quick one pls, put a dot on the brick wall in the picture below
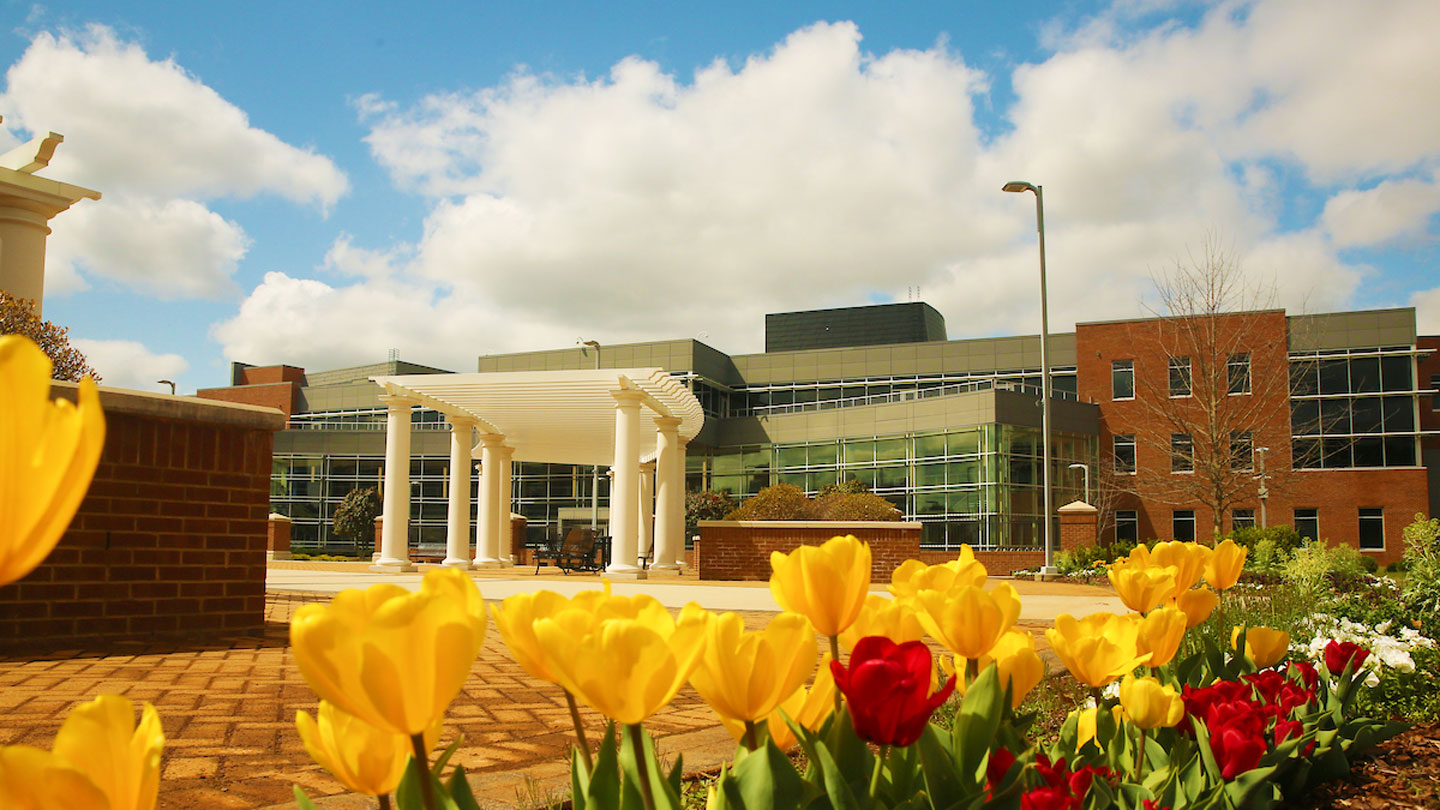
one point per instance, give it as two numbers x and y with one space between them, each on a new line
283 396
171 536
740 550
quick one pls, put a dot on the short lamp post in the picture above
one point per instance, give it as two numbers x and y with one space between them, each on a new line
170 383
1018 186
1264 491
595 468
1086 468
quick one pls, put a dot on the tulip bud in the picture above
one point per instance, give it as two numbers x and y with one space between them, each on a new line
1161 633
1226 563
892 618
101 758
1097 649
826 583
886 687
745 675
968 620
1263 646
1150 705
361 757
1142 589
1197 604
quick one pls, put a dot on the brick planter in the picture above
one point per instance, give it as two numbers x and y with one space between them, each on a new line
740 549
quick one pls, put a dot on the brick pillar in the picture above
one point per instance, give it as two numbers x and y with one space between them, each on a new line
277 538
1078 522
379 527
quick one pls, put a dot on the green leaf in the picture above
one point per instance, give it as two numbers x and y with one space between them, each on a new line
767 778
444 758
976 724
603 790
1252 789
942 781
666 797
579 779
302 801
837 789
459 789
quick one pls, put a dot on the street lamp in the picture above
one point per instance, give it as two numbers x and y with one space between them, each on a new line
1264 491
594 468
1016 186
169 383
1086 467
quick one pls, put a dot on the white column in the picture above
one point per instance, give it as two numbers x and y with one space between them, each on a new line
669 496
502 515
487 556
457 534
624 491
647 511
395 531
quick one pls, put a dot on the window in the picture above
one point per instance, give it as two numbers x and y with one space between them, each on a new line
1242 519
1238 371
1182 525
1122 379
1124 452
1127 526
1182 453
1372 528
1242 450
1307 523
1179 376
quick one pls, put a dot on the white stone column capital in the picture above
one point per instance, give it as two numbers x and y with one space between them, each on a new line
396 402
670 424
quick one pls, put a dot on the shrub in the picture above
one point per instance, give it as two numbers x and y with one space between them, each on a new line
1422 584
1315 567
707 505
850 486
854 506
1080 559
355 516
778 502
1284 539
1266 557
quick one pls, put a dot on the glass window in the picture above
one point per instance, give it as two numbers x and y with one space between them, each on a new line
891 476
1179 376
827 453
1122 379
964 472
1242 519
890 450
1182 452
790 456
1334 376
1303 378
1238 371
1242 450
930 446
1396 373
859 452
930 503
1305 416
1125 453
929 475
964 443
1365 375
1182 525
1307 523
1334 416
1365 414
1305 454
1435 397
1336 452
1372 528
1399 415
822 478
1399 451
1127 526
1369 452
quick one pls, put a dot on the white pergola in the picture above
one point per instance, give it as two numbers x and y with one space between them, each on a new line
561 417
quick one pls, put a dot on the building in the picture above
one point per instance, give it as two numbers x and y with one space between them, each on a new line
949 430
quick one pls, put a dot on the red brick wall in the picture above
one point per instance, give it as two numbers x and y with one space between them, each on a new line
740 550
283 396
261 375
171 536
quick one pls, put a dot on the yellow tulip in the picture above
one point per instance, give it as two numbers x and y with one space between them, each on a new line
807 707
745 675
826 583
1142 588
1197 605
101 759
913 576
1149 704
1263 645
515 619
627 667
1223 568
891 618
392 658
1016 663
361 757
1188 560
48 453
1087 724
1097 649
1161 632
968 620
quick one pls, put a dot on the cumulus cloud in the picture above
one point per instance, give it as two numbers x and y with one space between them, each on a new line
169 248
1374 216
128 364
642 204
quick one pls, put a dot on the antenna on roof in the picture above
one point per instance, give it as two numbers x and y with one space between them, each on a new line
394 355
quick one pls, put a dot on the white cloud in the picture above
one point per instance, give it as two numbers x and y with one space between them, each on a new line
136 125
1374 216
343 257
170 248
128 364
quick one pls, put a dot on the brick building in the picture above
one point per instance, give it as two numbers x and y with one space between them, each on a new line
1336 407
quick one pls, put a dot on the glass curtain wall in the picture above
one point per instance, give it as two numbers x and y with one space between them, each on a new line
1354 409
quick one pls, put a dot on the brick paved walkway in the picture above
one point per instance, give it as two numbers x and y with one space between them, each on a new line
228 709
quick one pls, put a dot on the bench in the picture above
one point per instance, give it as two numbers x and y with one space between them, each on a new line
575 553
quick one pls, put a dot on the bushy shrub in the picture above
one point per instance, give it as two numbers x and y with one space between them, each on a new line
1422 584
1369 564
355 516
1080 559
778 502
1283 539
854 506
1266 557
1315 567
850 486
707 505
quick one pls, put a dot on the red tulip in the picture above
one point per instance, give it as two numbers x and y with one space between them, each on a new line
1340 654
1306 672
887 687
1237 744
999 765
1049 797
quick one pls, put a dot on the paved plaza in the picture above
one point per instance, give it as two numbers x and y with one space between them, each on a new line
228 704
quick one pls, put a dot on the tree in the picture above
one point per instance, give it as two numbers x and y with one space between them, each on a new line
706 505
355 516
1224 392
17 317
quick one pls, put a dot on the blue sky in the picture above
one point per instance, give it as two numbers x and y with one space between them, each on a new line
317 183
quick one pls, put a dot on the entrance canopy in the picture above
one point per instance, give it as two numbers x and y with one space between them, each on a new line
559 417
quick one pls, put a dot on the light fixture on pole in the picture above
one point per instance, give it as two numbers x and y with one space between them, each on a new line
1018 186
169 383
1086 467
1264 491
594 468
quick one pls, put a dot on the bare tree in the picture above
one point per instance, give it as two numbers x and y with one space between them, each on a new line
1224 390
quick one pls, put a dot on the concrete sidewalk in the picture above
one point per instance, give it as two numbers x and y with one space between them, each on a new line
1040 601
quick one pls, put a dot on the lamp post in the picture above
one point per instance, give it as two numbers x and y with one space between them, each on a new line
1086 467
1017 186
594 468
1264 491
169 383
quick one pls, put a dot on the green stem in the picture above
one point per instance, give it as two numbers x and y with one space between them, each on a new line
384 801
422 758
751 740
580 739
835 656
637 739
1140 757
875 774
972 670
